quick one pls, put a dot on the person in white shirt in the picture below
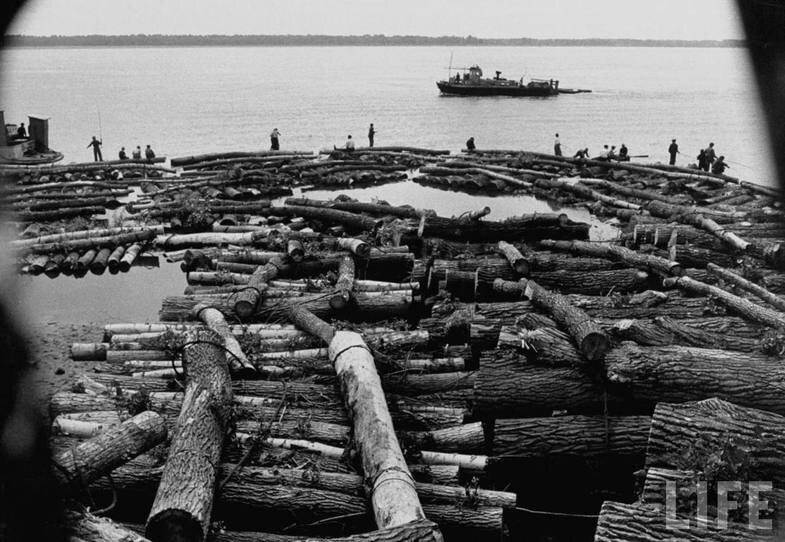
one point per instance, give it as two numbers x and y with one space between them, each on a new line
557 146
349 143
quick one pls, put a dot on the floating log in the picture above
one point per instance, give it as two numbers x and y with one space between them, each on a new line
616 252
740 282
588 336
360 207
585 192
58 214
188 160
184 501
98 456
239 365
664 331
503 390
739 305
99 263
754 436
113 262
332 216
650 374
392 497
83 263
571 436
343 285
131 253
640 522
522 228
205 239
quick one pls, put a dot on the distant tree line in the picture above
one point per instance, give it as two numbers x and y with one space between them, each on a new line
161 40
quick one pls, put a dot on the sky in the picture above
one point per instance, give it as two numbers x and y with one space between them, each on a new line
642 19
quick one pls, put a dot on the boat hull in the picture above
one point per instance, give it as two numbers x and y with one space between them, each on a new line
490 90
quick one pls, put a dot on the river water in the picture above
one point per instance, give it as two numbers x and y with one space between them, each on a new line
192 100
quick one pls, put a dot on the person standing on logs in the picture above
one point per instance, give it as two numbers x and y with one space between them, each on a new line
274 144
557 146
624 153
96 145
703 163
470 146
673 150
371 133
711 156
148 153
719 166
121 155
137 154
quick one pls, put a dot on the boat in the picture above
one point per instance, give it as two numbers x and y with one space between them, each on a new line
31 149
472 83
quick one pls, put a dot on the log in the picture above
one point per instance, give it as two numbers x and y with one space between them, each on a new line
114 259
129 257
584 192
99 263
83 263
539 346
187 160
518 262
360 207
109 241
513 391
736 280
98 456
85 527
393 498
739 305
59 214
343 285
184 500
642 523
632 258
754 438
664 331
588 336
249 297
677 374
571 436
239 366
331 216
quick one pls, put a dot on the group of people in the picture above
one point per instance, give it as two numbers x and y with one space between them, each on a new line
96 144
275 141
707 158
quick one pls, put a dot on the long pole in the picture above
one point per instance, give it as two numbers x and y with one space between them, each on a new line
100 128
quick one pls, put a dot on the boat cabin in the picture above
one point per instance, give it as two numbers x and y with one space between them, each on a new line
14 147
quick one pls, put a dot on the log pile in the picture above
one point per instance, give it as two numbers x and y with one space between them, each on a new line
406 372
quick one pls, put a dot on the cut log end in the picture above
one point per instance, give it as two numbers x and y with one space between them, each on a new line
339 302
594 346
174 526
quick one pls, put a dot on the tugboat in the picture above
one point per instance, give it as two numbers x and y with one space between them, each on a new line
20 147
472 83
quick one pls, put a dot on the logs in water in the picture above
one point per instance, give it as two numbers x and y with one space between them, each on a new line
392 493
184 501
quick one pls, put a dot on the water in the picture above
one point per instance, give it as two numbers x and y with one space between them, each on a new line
192 100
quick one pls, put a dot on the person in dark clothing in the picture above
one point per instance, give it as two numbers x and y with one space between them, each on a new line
673 150
274 144
470 144
121 155
623 152
711 156
148 153
703 163
371 133
96 145
582 154
719 166
21 133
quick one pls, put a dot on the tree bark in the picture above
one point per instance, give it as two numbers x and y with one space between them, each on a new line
184 501
100 455
576 436
588 336
663 331
677 374
239 365
632 258
343 285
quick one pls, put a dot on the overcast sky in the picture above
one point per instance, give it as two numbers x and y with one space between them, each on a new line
658 19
